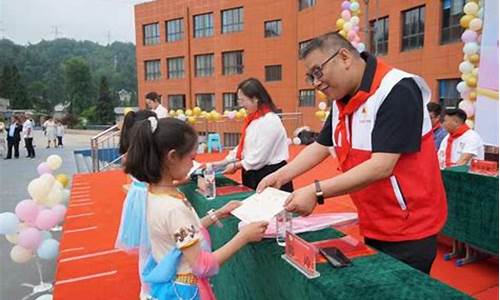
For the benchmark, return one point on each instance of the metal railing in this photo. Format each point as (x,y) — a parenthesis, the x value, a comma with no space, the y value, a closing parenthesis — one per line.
(104,148)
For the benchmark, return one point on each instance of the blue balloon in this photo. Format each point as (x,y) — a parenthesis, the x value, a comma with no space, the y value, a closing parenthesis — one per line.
(354,6)
(48,249)
(9,223)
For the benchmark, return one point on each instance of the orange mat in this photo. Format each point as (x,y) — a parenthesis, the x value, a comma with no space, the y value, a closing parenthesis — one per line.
(90,268)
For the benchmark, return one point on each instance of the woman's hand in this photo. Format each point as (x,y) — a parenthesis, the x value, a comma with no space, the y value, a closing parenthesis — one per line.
(231,168)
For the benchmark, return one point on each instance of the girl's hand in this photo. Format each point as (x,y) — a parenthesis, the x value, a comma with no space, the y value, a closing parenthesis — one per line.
(226,210)
(253,232)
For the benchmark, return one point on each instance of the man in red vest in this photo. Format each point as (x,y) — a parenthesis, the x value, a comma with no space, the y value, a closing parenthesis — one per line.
(382,135)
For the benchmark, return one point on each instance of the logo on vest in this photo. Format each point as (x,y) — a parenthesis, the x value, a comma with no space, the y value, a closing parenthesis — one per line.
(365,117)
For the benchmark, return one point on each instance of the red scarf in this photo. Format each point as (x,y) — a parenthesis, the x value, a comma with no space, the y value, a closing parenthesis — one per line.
(453,136)
(436,127)
(346,110)
(249,119)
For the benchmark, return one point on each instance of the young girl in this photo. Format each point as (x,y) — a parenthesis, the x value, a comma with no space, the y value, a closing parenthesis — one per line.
(175,256)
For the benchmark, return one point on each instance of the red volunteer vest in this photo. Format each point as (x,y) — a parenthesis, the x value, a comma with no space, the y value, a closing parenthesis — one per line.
(411,203)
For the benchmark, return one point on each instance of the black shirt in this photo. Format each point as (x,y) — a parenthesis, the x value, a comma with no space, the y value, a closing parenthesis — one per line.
(398,124)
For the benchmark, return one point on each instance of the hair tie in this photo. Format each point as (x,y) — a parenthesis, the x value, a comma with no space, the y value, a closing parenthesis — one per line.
(154,123)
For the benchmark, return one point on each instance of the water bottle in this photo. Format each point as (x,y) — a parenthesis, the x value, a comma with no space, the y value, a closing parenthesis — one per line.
(283,224)
(210,180)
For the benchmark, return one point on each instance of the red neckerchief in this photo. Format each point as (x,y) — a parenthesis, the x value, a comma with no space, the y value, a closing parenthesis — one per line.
(436,127)
(449,145)
(249,119)
(346,110)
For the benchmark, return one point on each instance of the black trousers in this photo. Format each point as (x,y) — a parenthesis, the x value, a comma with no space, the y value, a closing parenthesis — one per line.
(12,143)
(59,141)
(29,147)
(252,178)
(419,254)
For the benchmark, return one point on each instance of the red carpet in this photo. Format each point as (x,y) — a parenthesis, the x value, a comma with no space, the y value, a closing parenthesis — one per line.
(89,267)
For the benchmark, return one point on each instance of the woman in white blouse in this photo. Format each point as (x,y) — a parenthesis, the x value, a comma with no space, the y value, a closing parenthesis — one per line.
(263,146)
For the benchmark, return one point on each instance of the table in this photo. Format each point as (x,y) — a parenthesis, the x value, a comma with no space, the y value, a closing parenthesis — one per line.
(258,272)
(472,208)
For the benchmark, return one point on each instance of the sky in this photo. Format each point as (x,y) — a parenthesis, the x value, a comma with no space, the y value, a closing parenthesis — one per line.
(30,21)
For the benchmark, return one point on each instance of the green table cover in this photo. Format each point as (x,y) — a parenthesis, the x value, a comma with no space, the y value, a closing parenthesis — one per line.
(472,208)
(258,272)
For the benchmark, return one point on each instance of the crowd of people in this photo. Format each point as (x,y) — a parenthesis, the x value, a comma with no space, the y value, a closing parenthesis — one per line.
(21,128)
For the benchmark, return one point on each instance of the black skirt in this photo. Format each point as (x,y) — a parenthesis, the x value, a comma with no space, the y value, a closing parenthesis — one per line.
(252,178)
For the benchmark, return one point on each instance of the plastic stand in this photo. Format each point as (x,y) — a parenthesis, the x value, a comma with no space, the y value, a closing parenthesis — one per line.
(41,287)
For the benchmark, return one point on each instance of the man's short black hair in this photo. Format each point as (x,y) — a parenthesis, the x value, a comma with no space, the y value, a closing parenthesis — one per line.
(456,112)
(153,96)
(331,40)
(435,108)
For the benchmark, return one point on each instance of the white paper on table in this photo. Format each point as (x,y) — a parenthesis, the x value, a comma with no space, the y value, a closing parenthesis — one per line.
(196,166)
(261,207)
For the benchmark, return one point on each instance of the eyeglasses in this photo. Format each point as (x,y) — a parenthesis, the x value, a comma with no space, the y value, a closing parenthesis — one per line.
(317,72)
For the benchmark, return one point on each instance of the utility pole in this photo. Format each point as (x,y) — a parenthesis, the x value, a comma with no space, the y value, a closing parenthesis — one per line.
(108,35)
(56,32)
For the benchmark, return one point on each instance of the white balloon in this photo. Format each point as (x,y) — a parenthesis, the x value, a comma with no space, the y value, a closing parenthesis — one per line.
(55,196)
(48,179)
(461,87)
(182,117)
(54,161)
(322,105)
(355,20)
(66,195)
(475,24)
(471,48)
(39,190)
(465,67)
(471,8)
(347,26)
(475,72)
(361,47)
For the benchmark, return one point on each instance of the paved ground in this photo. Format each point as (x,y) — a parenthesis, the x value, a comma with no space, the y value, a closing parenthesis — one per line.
(15,174)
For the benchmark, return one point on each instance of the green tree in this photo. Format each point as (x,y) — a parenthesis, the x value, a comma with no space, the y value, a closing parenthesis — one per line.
(105,103)
(13,89)
(78,84)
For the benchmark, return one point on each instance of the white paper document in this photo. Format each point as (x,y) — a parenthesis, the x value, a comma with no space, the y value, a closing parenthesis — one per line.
(261,207)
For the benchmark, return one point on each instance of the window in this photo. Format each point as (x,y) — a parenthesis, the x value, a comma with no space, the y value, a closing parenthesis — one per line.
(272,28)
(413,28)
(273,73)
(448,94)
(206,101)
(450,24)
(151,33)
(232,20)
(231,139)
(379,36)
(229,101)
(203,25)
(175,30)
(307,98)
(204,65)
(175,67)
(303,44)
(176,102)
(153,71)
(303,4)
(232,62)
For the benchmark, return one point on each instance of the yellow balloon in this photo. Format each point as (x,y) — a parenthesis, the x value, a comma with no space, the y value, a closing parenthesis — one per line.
(196,111)
(340,23)
(464,21)
(465,76)
(475,72)
(343,33)
(172,113)
(189,112)
(472,96)
(320,114)
(471,81)
(191,120)
(239,115)
(243,110)
(54,161)
(474,58)
(12,238)
(321,95)
(63,179)
(20,255)
(127,110)
(179,112)
(470,123)
(226,112)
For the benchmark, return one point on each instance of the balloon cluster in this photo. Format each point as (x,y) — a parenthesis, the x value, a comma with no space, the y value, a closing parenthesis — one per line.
(322,113)
(28,228)
(348,23)
(192,115)
(472,22)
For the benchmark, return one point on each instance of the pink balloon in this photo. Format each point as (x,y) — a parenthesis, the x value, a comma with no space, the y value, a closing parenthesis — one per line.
(355,44)
(43,168)
(356,28)
(468,107)
(464,95)
(346,5)
(346,15)
(351,35)
(47,219)
(60,211)
(29,238)
(27,210)
(469,36)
